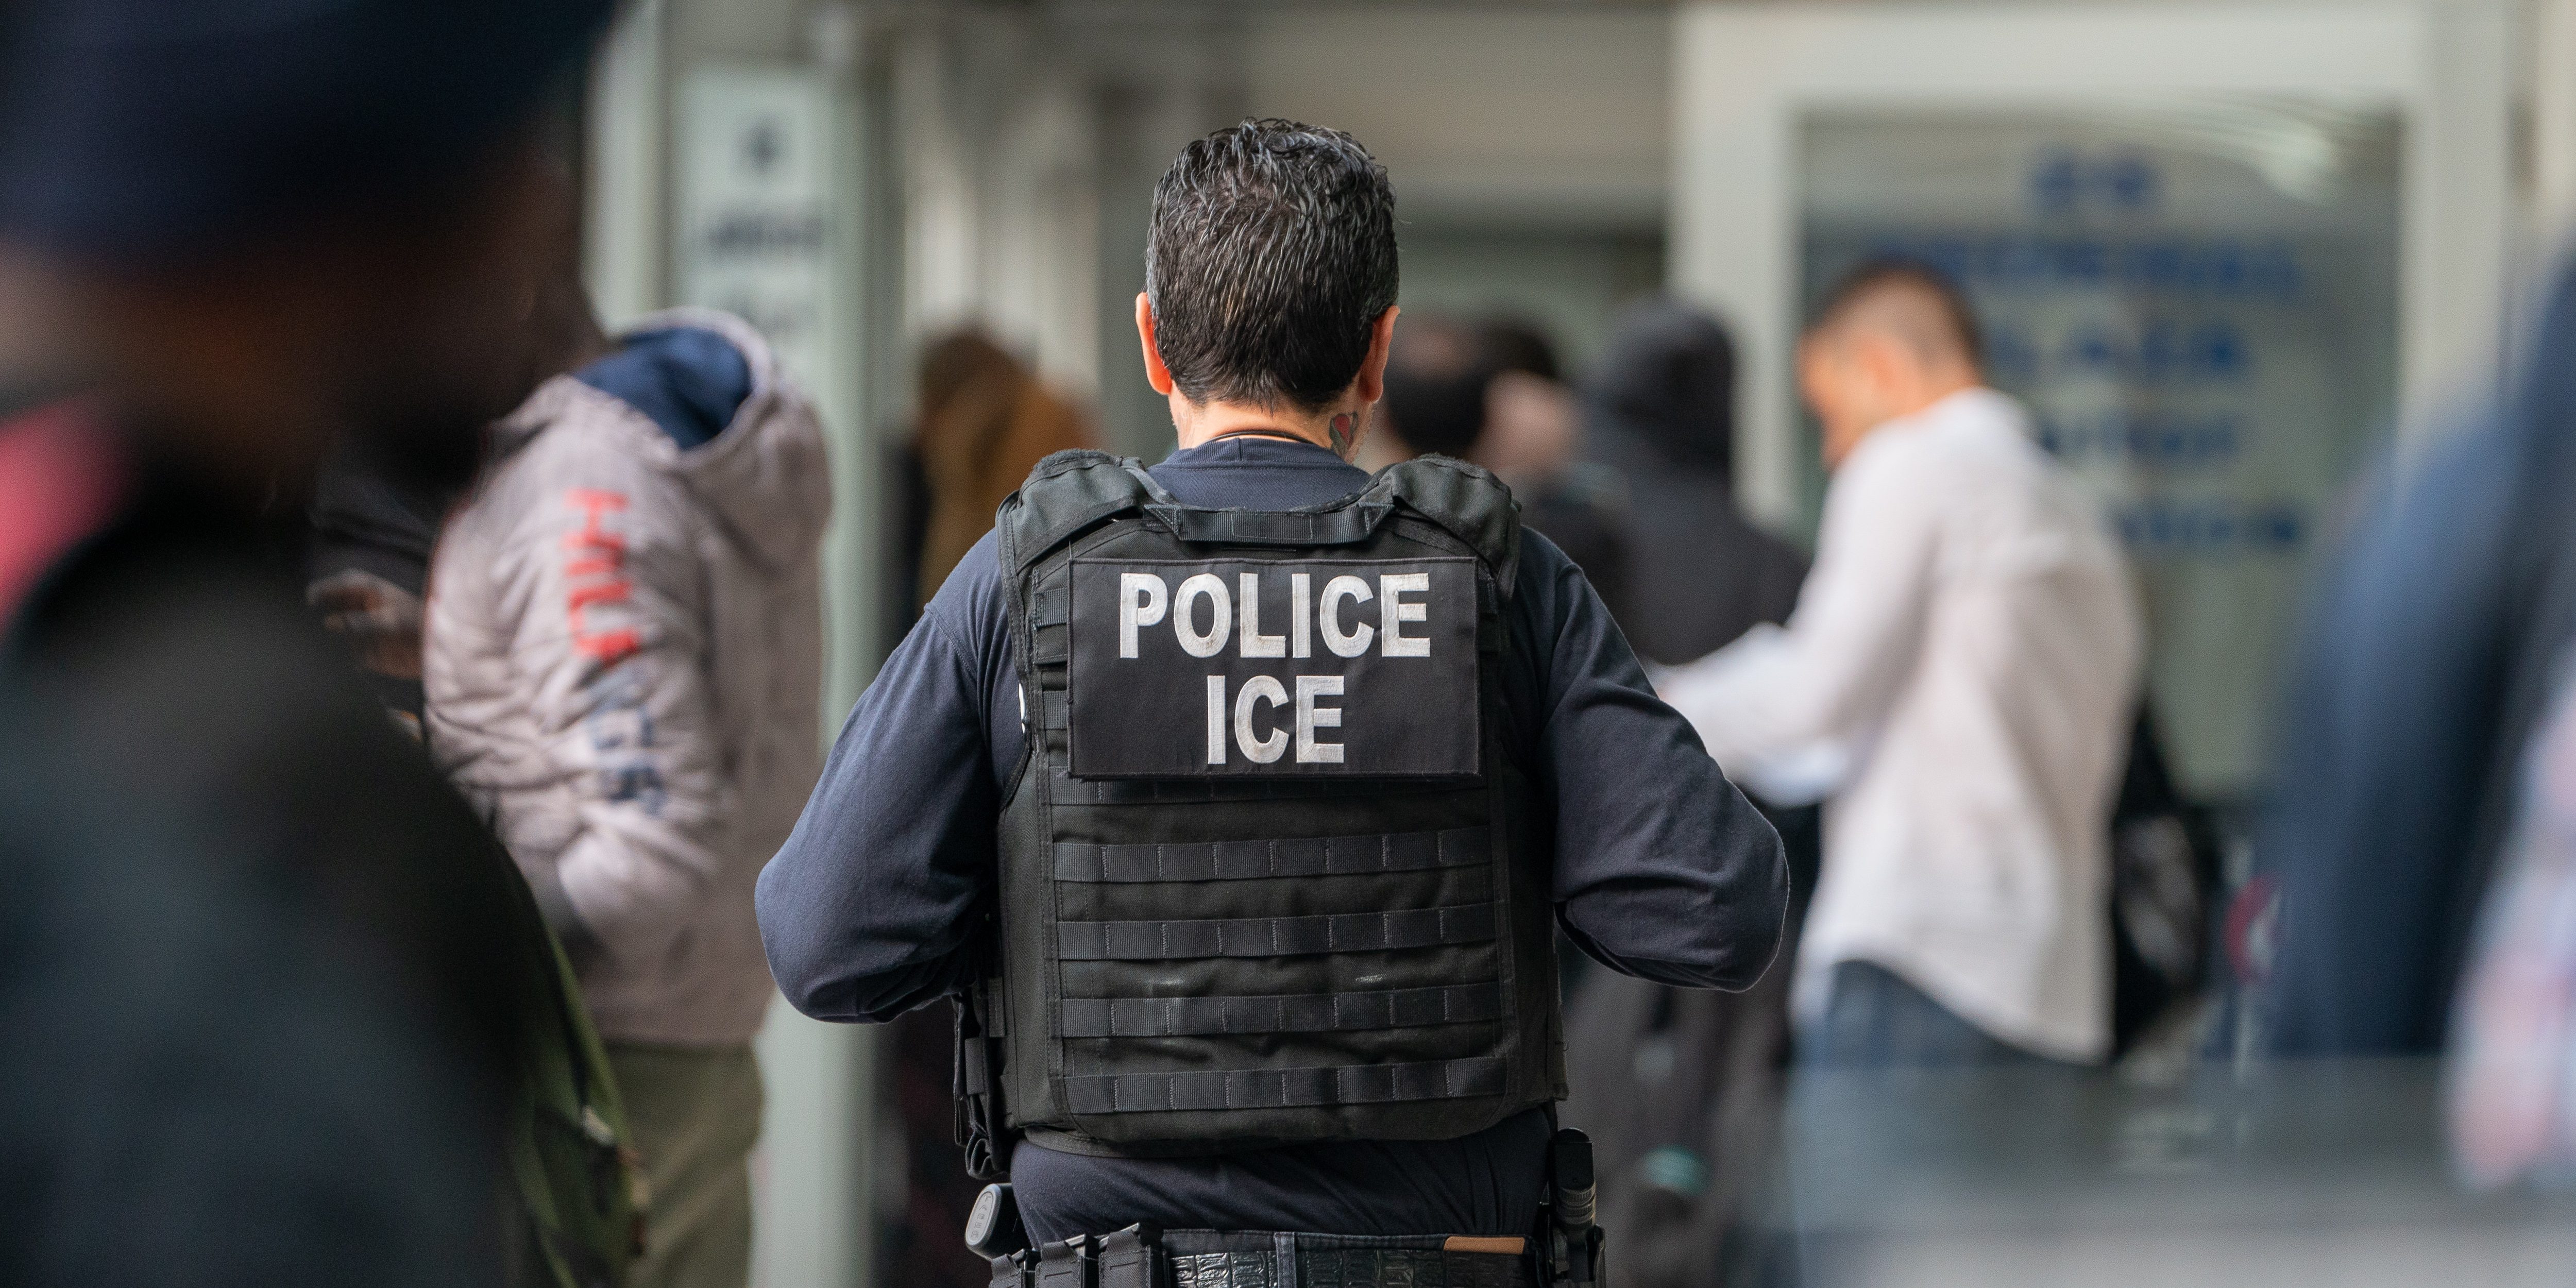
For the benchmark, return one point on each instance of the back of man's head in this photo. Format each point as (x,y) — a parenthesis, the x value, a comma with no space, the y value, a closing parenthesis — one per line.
(1666,381)
(1907,301)
(1271,254)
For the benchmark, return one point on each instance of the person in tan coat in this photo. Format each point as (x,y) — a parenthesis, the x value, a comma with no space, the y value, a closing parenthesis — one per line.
(986,420)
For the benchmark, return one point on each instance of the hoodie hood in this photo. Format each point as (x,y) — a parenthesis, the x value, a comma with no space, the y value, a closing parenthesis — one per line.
(761,469)
(1666,384)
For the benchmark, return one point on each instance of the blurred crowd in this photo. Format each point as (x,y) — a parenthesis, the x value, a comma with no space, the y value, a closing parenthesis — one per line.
(296,348)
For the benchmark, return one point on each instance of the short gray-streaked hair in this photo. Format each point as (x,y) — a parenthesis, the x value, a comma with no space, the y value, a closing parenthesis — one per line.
(1271,253)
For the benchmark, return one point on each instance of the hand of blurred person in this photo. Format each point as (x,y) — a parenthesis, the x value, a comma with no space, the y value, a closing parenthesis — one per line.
(381,620)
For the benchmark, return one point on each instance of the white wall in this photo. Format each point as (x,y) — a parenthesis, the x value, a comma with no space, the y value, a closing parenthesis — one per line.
(1483,115)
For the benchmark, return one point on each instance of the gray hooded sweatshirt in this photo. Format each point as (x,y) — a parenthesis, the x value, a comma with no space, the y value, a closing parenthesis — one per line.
(623,662)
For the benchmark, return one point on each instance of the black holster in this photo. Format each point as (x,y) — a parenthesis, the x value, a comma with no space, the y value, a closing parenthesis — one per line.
(1570,1238)
(978,1123)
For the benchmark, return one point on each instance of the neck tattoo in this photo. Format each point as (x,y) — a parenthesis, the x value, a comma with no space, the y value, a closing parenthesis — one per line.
(1344,430)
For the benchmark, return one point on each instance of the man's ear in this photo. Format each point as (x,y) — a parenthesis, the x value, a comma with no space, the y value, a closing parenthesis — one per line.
(1156,374)
(1893,367)
(1371,384)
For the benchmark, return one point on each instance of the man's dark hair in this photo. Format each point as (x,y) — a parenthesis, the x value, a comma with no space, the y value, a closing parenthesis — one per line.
(1517,344)
(1272,251)
(1887,274)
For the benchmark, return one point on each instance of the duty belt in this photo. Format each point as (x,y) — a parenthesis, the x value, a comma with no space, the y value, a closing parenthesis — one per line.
(1566,1254)
(1143,1257)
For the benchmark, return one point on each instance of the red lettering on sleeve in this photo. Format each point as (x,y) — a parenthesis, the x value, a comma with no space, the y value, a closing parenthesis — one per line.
(593,575)
(608,646)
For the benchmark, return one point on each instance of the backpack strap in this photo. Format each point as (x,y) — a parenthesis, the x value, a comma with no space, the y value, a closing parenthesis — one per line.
(1466,501)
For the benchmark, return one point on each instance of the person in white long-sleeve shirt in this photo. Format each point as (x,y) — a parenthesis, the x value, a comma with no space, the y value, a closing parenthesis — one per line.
(1959,679)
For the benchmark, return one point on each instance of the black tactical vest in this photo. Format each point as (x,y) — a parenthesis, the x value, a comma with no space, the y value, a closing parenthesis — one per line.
(1268,873)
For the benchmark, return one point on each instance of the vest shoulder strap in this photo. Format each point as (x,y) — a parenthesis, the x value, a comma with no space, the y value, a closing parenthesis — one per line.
(1068,493)
(1467,502)
(1071,492)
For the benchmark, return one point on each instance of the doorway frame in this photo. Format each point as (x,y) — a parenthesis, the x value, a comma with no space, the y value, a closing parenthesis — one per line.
(1745,75)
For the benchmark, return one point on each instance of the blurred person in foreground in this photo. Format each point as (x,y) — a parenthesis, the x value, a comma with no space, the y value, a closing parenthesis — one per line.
(316,1018)
(2489,507)
(2429,772)
(1683,1089)
(624,668)
(1271,1009)
(2413,720)
(2513,1066)
(1959,677)
(2484,517)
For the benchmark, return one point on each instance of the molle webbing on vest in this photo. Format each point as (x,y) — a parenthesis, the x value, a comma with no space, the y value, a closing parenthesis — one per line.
(1461,847)
(1372,1084)
(1350,932)
(1237,935)
(1147,1017)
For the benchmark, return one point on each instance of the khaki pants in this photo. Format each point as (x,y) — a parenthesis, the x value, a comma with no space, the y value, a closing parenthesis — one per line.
(695,1115)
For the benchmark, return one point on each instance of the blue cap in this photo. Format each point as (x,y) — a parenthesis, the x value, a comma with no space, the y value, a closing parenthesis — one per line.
(151,129)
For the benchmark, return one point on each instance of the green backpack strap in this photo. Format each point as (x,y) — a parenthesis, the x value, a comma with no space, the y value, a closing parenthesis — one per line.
(1467,502)
(580,1181)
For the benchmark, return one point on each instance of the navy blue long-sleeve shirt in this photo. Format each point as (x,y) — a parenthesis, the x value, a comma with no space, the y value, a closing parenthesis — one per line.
(1661,870)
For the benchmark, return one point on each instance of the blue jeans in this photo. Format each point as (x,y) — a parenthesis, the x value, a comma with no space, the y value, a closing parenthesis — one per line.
(1876,1020)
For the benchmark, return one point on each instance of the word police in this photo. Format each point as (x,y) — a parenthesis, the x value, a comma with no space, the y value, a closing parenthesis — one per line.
(1292,666)
(1145,601)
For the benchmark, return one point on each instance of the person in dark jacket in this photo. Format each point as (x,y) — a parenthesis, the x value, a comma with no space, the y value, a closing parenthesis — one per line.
(1684,1088)
(879,902)
(1660,409)
(308,1056)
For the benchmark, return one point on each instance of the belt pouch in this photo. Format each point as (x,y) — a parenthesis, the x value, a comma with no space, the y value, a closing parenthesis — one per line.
(1133,1258)
(1073,1263)
(1017,1270)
